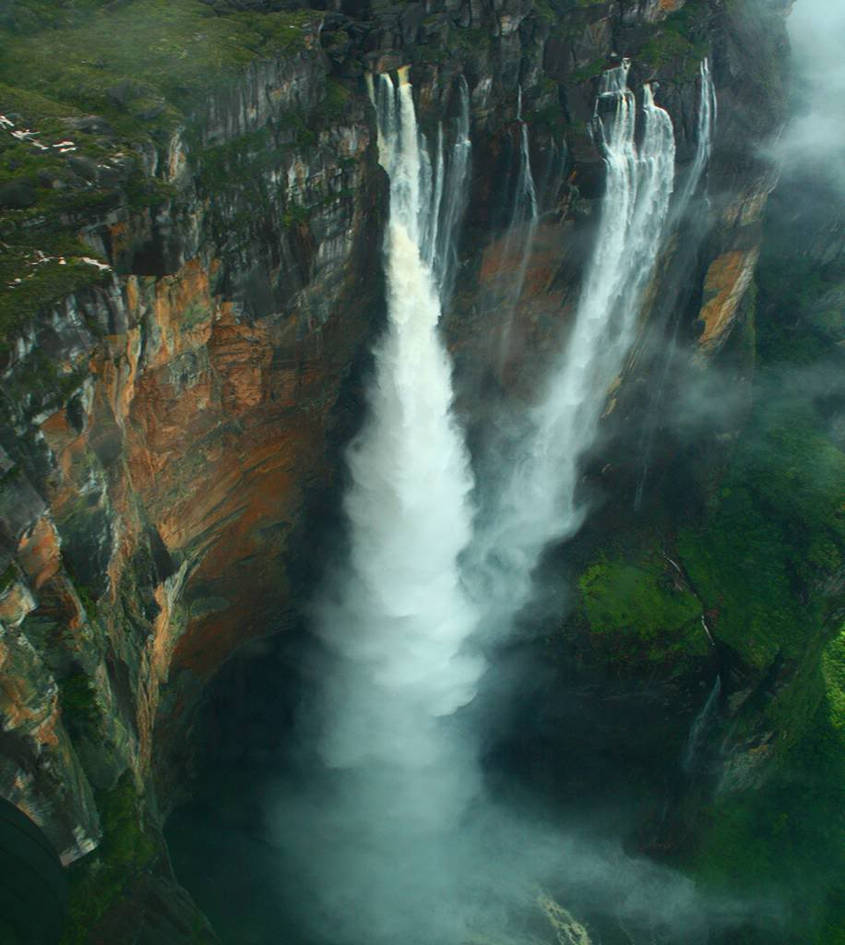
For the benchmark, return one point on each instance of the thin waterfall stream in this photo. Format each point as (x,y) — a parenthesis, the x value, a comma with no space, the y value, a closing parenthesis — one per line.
(520,235)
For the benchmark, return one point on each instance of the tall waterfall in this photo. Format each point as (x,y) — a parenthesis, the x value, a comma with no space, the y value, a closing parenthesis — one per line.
(399,618)
(520,235)
(668,307)
(444,198)
(536,503)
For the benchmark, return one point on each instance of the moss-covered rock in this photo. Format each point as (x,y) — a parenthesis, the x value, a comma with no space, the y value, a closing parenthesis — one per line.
(641,615)
(127,847)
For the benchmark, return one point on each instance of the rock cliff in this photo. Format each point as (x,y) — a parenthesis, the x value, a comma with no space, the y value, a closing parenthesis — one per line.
(191,217)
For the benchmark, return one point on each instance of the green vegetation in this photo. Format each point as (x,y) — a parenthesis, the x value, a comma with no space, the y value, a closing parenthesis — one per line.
(768,556)
(127,848)
(681,41)
(788,838)
(639,612)
(119,60)
(776,531)
(78,701)
(140,68)
(8,578)
(88,599)
(592,69)
(42,282)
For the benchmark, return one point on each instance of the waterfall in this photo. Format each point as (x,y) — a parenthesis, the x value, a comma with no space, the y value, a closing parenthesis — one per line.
(536,503)
(403,618)
(525,199)
(520,235)
(685,257)
(707,110)
(398,617)
(699,727)
(386,836)
(451,198)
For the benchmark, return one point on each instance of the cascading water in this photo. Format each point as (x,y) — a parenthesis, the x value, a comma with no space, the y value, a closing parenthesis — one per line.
(403,617)
(707,110)
(520,235)
(525,198)
(700,725)
(398,617)
(448,199)
(537,504)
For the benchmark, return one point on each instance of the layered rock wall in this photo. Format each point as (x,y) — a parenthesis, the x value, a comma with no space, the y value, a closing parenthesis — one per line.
(164,423)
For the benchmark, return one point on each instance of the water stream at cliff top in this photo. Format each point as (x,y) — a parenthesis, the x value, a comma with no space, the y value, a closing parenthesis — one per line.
(694,226)
(707,113)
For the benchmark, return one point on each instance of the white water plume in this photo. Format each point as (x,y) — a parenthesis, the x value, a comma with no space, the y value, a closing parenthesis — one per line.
(401,618)
(398,618)
(537,503)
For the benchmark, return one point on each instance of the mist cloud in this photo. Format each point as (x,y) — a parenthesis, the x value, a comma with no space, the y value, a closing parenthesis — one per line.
(813,142)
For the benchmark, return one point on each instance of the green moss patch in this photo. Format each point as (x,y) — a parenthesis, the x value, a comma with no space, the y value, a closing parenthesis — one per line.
(127,848)
(788,838)
(128,57)
(639,612)
(81,713)
(776,532)
(680,42)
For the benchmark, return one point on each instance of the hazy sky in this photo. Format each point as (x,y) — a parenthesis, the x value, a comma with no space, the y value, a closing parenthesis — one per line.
(815,138)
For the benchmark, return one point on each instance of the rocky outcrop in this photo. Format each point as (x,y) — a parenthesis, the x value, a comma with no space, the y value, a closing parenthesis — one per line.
(162,430)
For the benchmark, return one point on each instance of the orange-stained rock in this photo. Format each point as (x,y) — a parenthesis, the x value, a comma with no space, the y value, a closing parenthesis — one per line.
(15,603)
(39,552)
(725,284)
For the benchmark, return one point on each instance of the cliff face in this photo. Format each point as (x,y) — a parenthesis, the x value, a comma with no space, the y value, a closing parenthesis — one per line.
(193,277)
(162,427)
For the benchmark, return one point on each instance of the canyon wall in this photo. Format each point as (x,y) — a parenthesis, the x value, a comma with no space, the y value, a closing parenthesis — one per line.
(191,281)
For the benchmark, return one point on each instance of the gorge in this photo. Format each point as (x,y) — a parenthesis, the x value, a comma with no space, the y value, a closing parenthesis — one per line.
(422,490)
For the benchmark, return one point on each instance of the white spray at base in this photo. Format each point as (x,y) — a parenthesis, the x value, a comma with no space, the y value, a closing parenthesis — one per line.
(537,502)
(398,617)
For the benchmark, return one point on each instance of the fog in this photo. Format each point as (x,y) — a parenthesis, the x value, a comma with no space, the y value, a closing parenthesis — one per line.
(813,143)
